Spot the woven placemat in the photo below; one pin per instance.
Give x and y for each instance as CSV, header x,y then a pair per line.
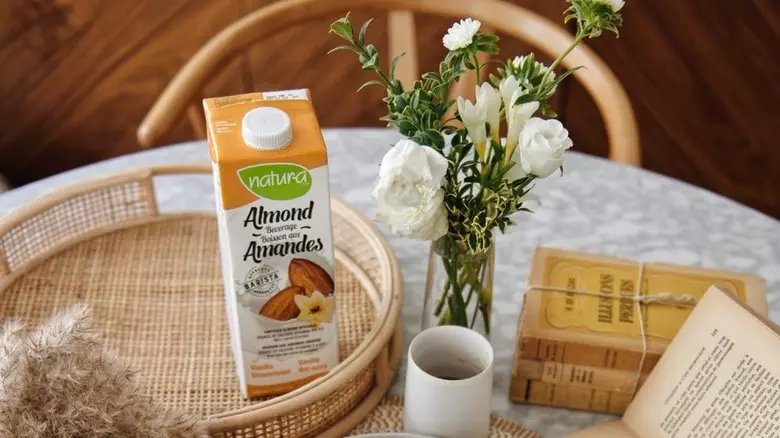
x,y
388,417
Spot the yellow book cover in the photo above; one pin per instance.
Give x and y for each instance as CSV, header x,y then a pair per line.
x,y
613,320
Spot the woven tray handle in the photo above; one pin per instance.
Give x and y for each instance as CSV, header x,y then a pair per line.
x,y
80,211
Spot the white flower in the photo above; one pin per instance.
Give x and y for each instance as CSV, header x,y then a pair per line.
x,y
616,5
461,34
474,118
507,88
491,99
541,147
409,198
519,60
516,115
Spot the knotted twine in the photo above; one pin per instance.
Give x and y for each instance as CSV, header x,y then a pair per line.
x,y
664,298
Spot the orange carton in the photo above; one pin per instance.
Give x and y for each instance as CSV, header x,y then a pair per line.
x,y
273,203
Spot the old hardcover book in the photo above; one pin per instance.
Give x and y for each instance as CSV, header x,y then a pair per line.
x,y
720,377
582,376
604,331
573,397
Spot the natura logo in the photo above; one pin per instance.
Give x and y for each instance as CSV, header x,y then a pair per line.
x,y
278,182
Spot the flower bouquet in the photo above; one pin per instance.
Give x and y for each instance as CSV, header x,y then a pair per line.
x,y
456,180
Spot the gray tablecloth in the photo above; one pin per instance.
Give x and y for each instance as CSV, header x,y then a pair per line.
x,y
597,206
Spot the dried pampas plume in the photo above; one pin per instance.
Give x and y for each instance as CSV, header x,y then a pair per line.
x,y
59,381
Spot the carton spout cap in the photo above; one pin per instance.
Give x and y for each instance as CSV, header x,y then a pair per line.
x,y
266,129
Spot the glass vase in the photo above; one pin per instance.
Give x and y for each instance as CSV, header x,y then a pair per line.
x,y
458,287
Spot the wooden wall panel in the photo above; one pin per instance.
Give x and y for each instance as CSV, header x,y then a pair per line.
x,y
77,76
704,83
81,74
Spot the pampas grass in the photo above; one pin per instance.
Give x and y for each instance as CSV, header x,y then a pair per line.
x,y
58,380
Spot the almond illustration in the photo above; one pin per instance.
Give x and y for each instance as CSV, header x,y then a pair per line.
x,y
310,276
281,306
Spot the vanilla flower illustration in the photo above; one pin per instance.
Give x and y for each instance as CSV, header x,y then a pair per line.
x,y
461,34
315,309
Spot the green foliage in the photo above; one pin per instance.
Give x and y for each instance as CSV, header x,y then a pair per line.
x,y
593,17
478,197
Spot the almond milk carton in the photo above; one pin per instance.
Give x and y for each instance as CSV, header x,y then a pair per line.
x,y
271,182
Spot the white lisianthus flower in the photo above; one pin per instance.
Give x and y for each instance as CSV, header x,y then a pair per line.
x,y
474,117
491,99
507,88
516,115
408,195
461,34
616,5
541,147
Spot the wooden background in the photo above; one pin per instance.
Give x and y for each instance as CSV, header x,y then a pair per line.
x,y
77,76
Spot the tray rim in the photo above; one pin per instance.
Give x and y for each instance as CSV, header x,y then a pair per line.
x,y
381,347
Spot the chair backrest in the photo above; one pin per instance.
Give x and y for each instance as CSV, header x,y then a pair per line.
x,y
184,93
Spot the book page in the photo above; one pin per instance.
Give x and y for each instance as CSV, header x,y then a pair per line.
x,y
613,429
720,377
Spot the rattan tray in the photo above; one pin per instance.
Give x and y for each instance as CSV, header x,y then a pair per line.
x,y
153,281
388,417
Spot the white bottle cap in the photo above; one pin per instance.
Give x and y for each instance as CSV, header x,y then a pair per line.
x,y
266,129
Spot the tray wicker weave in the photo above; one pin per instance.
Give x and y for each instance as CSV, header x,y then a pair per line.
x,y
388,417
153,281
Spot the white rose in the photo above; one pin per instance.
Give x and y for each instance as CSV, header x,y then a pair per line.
x,y
461,34
541,147
616,5
409,198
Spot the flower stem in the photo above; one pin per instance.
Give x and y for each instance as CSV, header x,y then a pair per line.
x,y
476,64
443,298
560,58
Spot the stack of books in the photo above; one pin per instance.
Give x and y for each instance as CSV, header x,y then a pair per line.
x,y
583,342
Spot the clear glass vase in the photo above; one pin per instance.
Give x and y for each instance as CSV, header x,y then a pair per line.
x,y
458,287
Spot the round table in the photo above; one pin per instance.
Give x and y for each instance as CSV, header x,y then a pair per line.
x,y
597,206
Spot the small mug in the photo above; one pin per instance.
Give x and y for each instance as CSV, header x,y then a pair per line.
x,y
449,379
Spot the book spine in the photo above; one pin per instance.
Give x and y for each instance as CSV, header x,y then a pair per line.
x,y
577,353
578,375
566,396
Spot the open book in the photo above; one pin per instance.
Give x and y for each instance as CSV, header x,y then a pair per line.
x,y
720,377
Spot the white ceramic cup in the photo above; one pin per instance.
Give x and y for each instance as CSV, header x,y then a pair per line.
x,y
454,406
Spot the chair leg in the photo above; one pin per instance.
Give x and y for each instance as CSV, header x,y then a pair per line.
x,y
403,40
197,119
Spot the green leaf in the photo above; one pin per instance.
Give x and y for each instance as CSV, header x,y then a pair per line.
x,y
394,63
370,63
363,29
405,127
566,74
336,49
342,27
488,48
374,82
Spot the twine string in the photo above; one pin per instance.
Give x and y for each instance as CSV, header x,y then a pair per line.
x,y
663,298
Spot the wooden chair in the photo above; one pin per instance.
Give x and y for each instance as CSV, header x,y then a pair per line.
x,y
184,93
